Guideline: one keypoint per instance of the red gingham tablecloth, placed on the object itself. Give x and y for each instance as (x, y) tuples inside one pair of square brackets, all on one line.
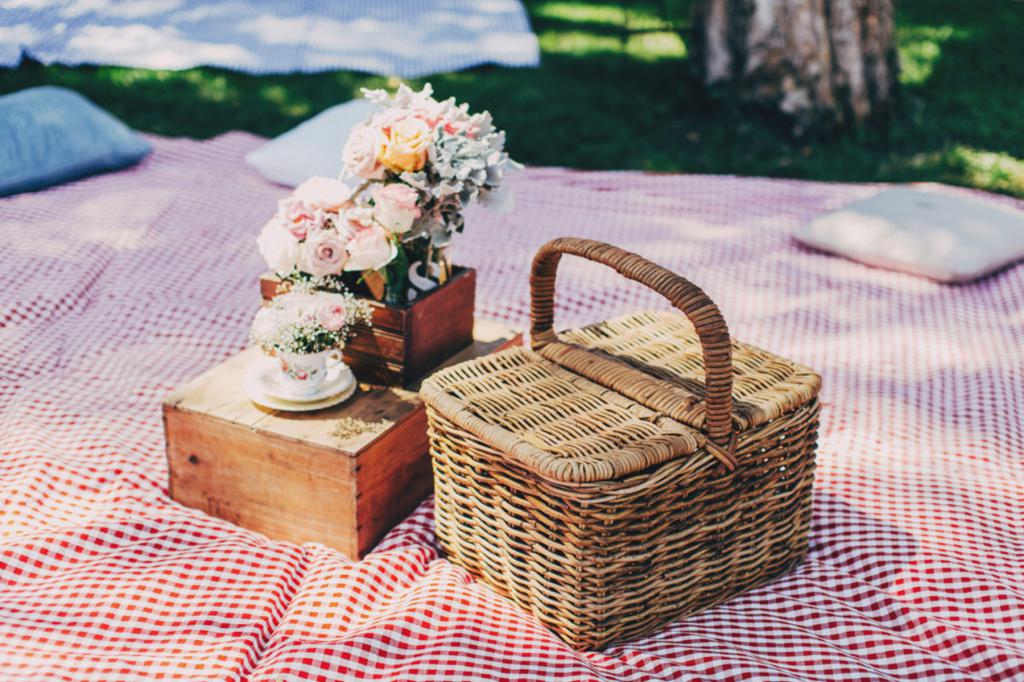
[(117, 289)]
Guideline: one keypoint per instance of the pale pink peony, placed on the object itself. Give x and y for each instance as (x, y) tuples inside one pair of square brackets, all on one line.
[(395, 206), (332, 316), (312, 204), (325, 194), (369, 248), (324, 253), (299, 218), (360, 153)]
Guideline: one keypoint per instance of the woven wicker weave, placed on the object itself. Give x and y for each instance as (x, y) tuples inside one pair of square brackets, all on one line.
[(622, 475)]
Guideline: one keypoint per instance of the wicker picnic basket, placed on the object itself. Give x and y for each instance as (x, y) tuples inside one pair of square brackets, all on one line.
[(628, 473)]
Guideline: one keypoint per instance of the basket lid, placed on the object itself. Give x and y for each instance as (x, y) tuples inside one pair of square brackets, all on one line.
[(657, 354), (561, 426)]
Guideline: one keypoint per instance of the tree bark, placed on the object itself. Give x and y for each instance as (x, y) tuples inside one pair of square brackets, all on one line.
[(821, 64)]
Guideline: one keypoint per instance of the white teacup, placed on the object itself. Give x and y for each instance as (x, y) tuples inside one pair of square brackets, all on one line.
[(304, 373)]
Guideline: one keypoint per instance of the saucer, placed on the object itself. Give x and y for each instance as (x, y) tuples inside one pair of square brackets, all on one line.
[(264, 388), (336, 375)]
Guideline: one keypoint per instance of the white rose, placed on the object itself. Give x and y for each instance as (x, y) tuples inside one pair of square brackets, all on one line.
[(279, 247), (369, 249), (263, 324)]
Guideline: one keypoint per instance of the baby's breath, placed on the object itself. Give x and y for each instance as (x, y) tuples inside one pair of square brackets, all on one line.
[(291, 323)]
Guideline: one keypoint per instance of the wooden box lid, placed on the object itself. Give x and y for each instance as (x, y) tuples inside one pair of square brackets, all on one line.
[(370, 412)]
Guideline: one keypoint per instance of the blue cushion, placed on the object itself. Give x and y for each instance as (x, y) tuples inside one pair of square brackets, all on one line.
[(51, 135)]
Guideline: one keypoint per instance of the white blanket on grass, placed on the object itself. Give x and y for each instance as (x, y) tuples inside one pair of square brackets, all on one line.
[(406, 38)]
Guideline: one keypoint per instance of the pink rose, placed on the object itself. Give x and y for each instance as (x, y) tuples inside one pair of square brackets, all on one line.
[(360, 153), (369, 249), (324, 253), (332, 316), (395, 206)]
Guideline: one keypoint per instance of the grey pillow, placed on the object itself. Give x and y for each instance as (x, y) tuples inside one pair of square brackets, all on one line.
[(50, 135)]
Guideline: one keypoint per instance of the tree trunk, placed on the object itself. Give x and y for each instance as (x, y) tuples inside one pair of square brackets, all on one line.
[(821, 64)]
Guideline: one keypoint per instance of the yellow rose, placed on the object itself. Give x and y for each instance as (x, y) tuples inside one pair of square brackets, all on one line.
[(404, 145)]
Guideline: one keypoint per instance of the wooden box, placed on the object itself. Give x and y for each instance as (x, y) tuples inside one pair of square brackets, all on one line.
[(408, 340), (342, 476)]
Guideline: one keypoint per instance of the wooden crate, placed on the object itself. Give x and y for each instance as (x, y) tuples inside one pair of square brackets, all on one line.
[(408, 340), (342, 476)]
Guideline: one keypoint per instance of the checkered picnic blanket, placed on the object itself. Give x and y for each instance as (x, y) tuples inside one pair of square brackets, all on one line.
[(118, 288)]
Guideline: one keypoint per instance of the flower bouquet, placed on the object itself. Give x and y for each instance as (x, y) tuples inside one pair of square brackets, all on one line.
[(319, 235), (302, 329), (385, 227)]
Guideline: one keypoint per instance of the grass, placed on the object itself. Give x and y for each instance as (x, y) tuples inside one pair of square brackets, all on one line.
[(614, 91)]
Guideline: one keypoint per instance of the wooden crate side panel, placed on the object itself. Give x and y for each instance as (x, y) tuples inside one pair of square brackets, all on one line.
[(441, 325), (389, 318), (392, 476), (373, 371), (284, 489), (376, 343)]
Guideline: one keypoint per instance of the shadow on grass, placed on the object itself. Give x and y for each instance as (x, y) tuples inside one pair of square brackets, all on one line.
[(614, 90)]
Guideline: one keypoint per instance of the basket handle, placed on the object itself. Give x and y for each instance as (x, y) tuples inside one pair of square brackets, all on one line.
[(680, 292)]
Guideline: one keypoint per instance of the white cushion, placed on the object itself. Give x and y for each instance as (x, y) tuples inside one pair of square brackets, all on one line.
[(922, 231), (311, 148)]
